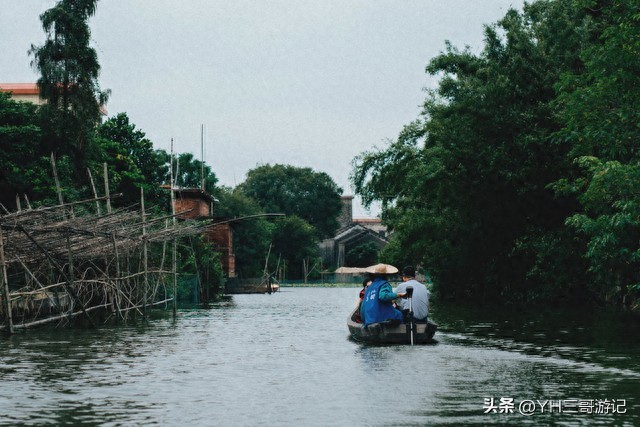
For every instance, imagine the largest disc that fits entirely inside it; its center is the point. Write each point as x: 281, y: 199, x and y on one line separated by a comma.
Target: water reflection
x: 286, y: 359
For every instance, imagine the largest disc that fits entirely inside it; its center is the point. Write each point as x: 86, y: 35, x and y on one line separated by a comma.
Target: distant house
x: 194, y: 203
x: 351, y: 234
x: 26, y: 92
x: 29, y: 92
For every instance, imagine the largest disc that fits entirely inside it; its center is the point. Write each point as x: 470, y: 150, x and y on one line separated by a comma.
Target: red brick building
x: 221, y: 236
x: 194, y: 203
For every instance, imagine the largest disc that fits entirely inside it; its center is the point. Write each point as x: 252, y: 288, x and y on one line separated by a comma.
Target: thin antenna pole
x: 202, y: 155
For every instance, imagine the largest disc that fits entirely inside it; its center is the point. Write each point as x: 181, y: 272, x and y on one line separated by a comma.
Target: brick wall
x: 198, y: 207
x: 221, y: 236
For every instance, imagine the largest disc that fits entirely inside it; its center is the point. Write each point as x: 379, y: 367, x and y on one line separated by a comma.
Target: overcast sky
x: 306, y: 83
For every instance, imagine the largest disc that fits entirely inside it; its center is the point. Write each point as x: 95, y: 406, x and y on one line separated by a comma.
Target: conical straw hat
x: 381, y: 269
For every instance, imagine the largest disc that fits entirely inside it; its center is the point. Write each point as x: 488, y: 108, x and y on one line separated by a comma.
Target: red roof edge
x: 20, y: 88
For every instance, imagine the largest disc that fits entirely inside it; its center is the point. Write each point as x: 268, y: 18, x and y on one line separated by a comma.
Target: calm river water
x: 286, y: 360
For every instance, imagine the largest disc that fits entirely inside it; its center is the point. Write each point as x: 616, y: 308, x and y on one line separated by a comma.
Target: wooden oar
x: 411, y: 323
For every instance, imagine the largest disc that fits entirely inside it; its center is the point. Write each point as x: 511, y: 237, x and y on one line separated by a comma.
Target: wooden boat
x: 391, y: 333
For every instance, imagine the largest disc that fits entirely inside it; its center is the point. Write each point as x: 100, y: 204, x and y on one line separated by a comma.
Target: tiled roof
x: 20, y: 88
x: 367, y: 220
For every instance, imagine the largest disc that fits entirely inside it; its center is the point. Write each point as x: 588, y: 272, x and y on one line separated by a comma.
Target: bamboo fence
x: 71, y: 259
x: 57, y: 265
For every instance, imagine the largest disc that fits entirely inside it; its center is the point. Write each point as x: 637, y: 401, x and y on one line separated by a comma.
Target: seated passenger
x: 420, y: 297
x: 377, y: 305
x: 366, y: 282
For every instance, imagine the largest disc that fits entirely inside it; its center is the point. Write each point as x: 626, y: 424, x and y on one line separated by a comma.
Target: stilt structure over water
x: 64, y: 261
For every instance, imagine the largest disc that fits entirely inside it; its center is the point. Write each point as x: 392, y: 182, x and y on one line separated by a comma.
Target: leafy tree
x: 312, y: 196
x: 25, y: 168
x: 252, y: 233
x: 202, y: 262
x: 466, y: 188
x: 362, y: 255
x: 601, y: 108
x: 610, y: 223
x: 294, y: 240
x: 69, y: 80
x: 188, y: 173
x: 133, y: 163
x: 19, y: 137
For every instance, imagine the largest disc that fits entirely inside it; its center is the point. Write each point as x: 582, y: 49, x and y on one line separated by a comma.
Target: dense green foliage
x: 251, y: 232
x: 132, y: 163
x: 517, y: 181
x: 311, y: 202
x: 68, y: 80
x: 19, y: 138
x: 601, y: 110
x: 200, y: 261
x: 310, y: 195
x: 67, y: 129
x: 362, y: 255
x: 189, y: 173
x: 294, y: 241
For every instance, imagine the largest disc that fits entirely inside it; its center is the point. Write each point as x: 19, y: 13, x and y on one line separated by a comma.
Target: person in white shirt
x: 420, y: 298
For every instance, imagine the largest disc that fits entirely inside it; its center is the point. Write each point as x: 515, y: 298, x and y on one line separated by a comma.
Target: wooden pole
x: 59, y: 188
x: 106, y: 186
x: 95, y: 193
x: 6, y: 297
x: 305, y: 269
x: 175, y: 245
x: 55, y: 318
x: 55, y: 177
x: 266, y: 273
x: 107, y: 196
x: 117, y: 278
x: 144, y: 256
x: 161, y: 276
x: 80, y: 202
x: 55, y: 265
x: 69, y: 277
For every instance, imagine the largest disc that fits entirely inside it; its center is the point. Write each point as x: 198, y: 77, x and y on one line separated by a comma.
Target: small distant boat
x: 390, y: 333
x: 251, y: 286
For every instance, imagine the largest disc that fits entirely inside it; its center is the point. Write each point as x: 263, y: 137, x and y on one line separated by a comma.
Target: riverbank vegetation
x: 519, y: 180
x: 69, y: 129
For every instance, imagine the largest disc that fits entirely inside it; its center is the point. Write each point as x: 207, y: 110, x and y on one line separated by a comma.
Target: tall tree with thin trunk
x: 69, y: 71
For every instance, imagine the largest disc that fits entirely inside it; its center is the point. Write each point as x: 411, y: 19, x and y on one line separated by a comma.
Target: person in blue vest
x: 377, y: 305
